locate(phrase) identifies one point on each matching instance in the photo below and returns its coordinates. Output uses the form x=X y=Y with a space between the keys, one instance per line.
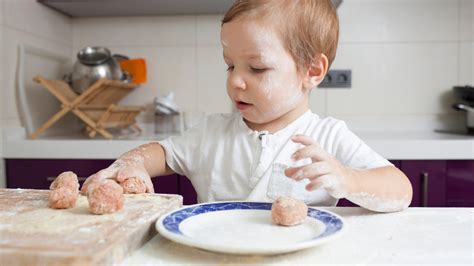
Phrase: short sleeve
x=182 y=152
x=354 y=152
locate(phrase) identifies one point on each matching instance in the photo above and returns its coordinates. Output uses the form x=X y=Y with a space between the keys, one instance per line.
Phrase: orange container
x=137 y=69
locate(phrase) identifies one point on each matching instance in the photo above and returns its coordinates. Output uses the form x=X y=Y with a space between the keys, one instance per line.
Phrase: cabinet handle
x=79 y=178
x=424 y=189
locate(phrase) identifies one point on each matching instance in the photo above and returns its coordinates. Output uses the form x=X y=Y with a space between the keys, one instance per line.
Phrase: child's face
x=262 y=81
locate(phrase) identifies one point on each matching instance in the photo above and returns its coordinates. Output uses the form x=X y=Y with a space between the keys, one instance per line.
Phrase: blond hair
x=307 y=27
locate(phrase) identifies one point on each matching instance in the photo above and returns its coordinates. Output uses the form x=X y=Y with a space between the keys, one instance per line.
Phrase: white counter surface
x=423 y=145
x=441 y=236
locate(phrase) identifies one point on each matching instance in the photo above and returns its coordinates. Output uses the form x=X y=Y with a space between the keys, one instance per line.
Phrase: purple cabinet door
x=460 y=184
x=39 y=173
x=346 y=203
x=428 y=178
x=167 y=184
x=186 y=189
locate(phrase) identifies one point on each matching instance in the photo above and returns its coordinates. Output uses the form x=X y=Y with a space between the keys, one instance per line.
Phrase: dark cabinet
x=436 y=183
x=460 y=183
x=186 y=189
x=167 y=184
x=39 y=173
x=428 y=179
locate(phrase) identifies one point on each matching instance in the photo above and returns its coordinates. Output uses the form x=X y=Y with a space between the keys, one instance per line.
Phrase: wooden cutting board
x=33 y=234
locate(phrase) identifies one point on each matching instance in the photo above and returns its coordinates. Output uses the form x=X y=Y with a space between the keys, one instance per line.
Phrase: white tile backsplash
x=2 y=16
x=2 y=162
x=395 y=78
x=169 y=69
x=211 y=74
x=12 y=39
x=317 y=101
x=135 y=31
x=405 y=55
x=466 y=20
x=36 y=19
x=466 y=63
x=398 y=20
x=2 y=74
x=208 y=30
x=405 y=123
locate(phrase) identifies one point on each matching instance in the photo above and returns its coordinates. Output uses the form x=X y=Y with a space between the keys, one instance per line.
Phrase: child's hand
x=120 y=170
x=325 y=170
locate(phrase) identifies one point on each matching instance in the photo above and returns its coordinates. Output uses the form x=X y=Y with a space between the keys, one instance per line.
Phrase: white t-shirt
x=226 y=160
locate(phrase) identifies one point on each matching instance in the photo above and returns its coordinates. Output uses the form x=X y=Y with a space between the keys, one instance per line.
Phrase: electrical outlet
x=338 y=78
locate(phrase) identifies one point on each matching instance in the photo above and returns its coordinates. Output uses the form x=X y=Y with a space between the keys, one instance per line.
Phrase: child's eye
x=258 y=70
x=230 y=68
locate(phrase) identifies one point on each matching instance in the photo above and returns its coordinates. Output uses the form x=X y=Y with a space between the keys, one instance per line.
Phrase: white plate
x=246 y=228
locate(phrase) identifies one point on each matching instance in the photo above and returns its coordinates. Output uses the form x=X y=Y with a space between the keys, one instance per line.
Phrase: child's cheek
x=268 y=85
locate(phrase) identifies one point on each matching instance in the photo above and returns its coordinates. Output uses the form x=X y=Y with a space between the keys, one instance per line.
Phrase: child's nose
x=236 y=81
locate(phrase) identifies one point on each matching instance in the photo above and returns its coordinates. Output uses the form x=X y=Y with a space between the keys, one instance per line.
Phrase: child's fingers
x=313 y=185
x=310 y=171
x=314 y=152
x=129 y=172
x=149 y=185
x=303 y=139
x=102 y=174
x=291 y=171
x=325 y=181
x=88 y=181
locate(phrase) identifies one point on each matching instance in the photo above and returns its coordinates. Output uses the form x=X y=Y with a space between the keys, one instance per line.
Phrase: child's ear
x=316 y=72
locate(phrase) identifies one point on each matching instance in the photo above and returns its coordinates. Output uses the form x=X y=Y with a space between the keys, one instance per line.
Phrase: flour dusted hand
x=325 y=170
x=128 y=171
x=64 y=191
x=288 y=211
x=105 y=196
x=133 y=185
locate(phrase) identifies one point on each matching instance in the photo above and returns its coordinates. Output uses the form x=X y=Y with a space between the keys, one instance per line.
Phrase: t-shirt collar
x=297 y=123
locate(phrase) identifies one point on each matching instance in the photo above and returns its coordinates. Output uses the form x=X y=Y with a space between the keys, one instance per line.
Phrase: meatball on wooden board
x=34 y=234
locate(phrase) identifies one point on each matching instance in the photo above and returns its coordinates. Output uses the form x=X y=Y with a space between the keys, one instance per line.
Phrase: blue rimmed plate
x=246 y=228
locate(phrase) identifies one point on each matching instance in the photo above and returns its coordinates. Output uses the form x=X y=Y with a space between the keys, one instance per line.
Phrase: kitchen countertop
x=441 y=236
x=422 y=145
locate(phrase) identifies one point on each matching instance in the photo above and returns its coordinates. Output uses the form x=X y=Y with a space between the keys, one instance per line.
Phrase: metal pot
x=465 y=93
x=469 y=115
x=93 y=63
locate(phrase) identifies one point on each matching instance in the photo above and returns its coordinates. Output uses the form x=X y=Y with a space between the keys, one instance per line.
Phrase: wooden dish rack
x=96 y=107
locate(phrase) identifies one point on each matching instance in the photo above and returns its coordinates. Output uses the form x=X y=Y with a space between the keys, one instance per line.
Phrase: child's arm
x=144 y=161
x=383 y=189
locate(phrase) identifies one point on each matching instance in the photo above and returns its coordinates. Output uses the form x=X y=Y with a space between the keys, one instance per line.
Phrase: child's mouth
x=242 y=105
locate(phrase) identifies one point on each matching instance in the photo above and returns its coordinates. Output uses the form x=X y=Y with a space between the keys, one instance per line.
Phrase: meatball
x=288 y=211
x=133 y=185
x=105 y=196
x=64 y=191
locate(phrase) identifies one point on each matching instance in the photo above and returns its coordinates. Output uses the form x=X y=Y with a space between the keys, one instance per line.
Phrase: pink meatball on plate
x=288 y=211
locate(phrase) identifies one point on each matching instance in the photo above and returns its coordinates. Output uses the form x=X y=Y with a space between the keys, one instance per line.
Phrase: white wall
x=26 y=22
x=405 y=56
x=183 y=55
x=2 y=166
